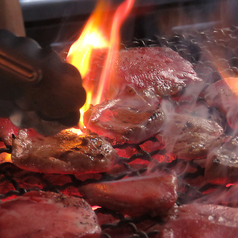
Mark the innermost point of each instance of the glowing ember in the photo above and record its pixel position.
(5, 157)
(229, 185)
(95, 207)
(100, 32)
(74, 130)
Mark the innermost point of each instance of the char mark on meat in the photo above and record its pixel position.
(220, 95)
(66, 152)
(126, 118)
(222, 162)
(189, 137)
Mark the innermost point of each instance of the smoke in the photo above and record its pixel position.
(198, 120)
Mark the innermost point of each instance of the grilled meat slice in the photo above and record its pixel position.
(135, 196)
(152, 71)
(40, 214)
(66, 152)
(129, 118)
(126, 118)
(220, 95)
(157, 68)
(222, 162)
(189, 137)
(141, 77)
(198, 220)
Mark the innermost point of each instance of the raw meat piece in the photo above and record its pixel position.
(222, 162)
(221, 96)
(189, 137)
(198, 220)
(126, 118)
(135, 196)
(66, 152)
(37, 215)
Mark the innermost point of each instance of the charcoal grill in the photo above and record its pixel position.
(196, 47)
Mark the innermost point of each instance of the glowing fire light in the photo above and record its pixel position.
(229, 185)
(5, 157)
(91, 38)
(232, 82)
(95, 207)
(100, 32)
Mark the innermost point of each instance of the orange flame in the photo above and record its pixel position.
(96, 35)
(232, 82)
(91, 38)
(5, 157)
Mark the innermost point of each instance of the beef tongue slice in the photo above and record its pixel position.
(154, 194)
(222, 162)
(189, 137)
(153, 70)
(126, 118)
(199, 220)
(220, 95)
(46, 214)
(67, 153)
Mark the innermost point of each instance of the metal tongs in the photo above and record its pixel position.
(37, 88)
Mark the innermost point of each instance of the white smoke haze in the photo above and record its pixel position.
(199, 41)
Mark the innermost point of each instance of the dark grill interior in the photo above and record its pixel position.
(135, 159)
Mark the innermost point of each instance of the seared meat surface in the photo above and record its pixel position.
(126, 118)
(222, 162)
(151, 71)
(130, 119)
(198, 220)
(220, 95)
(66, 152)
(37, 215)
(135, 196)
(189, 137)
(156, 71)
